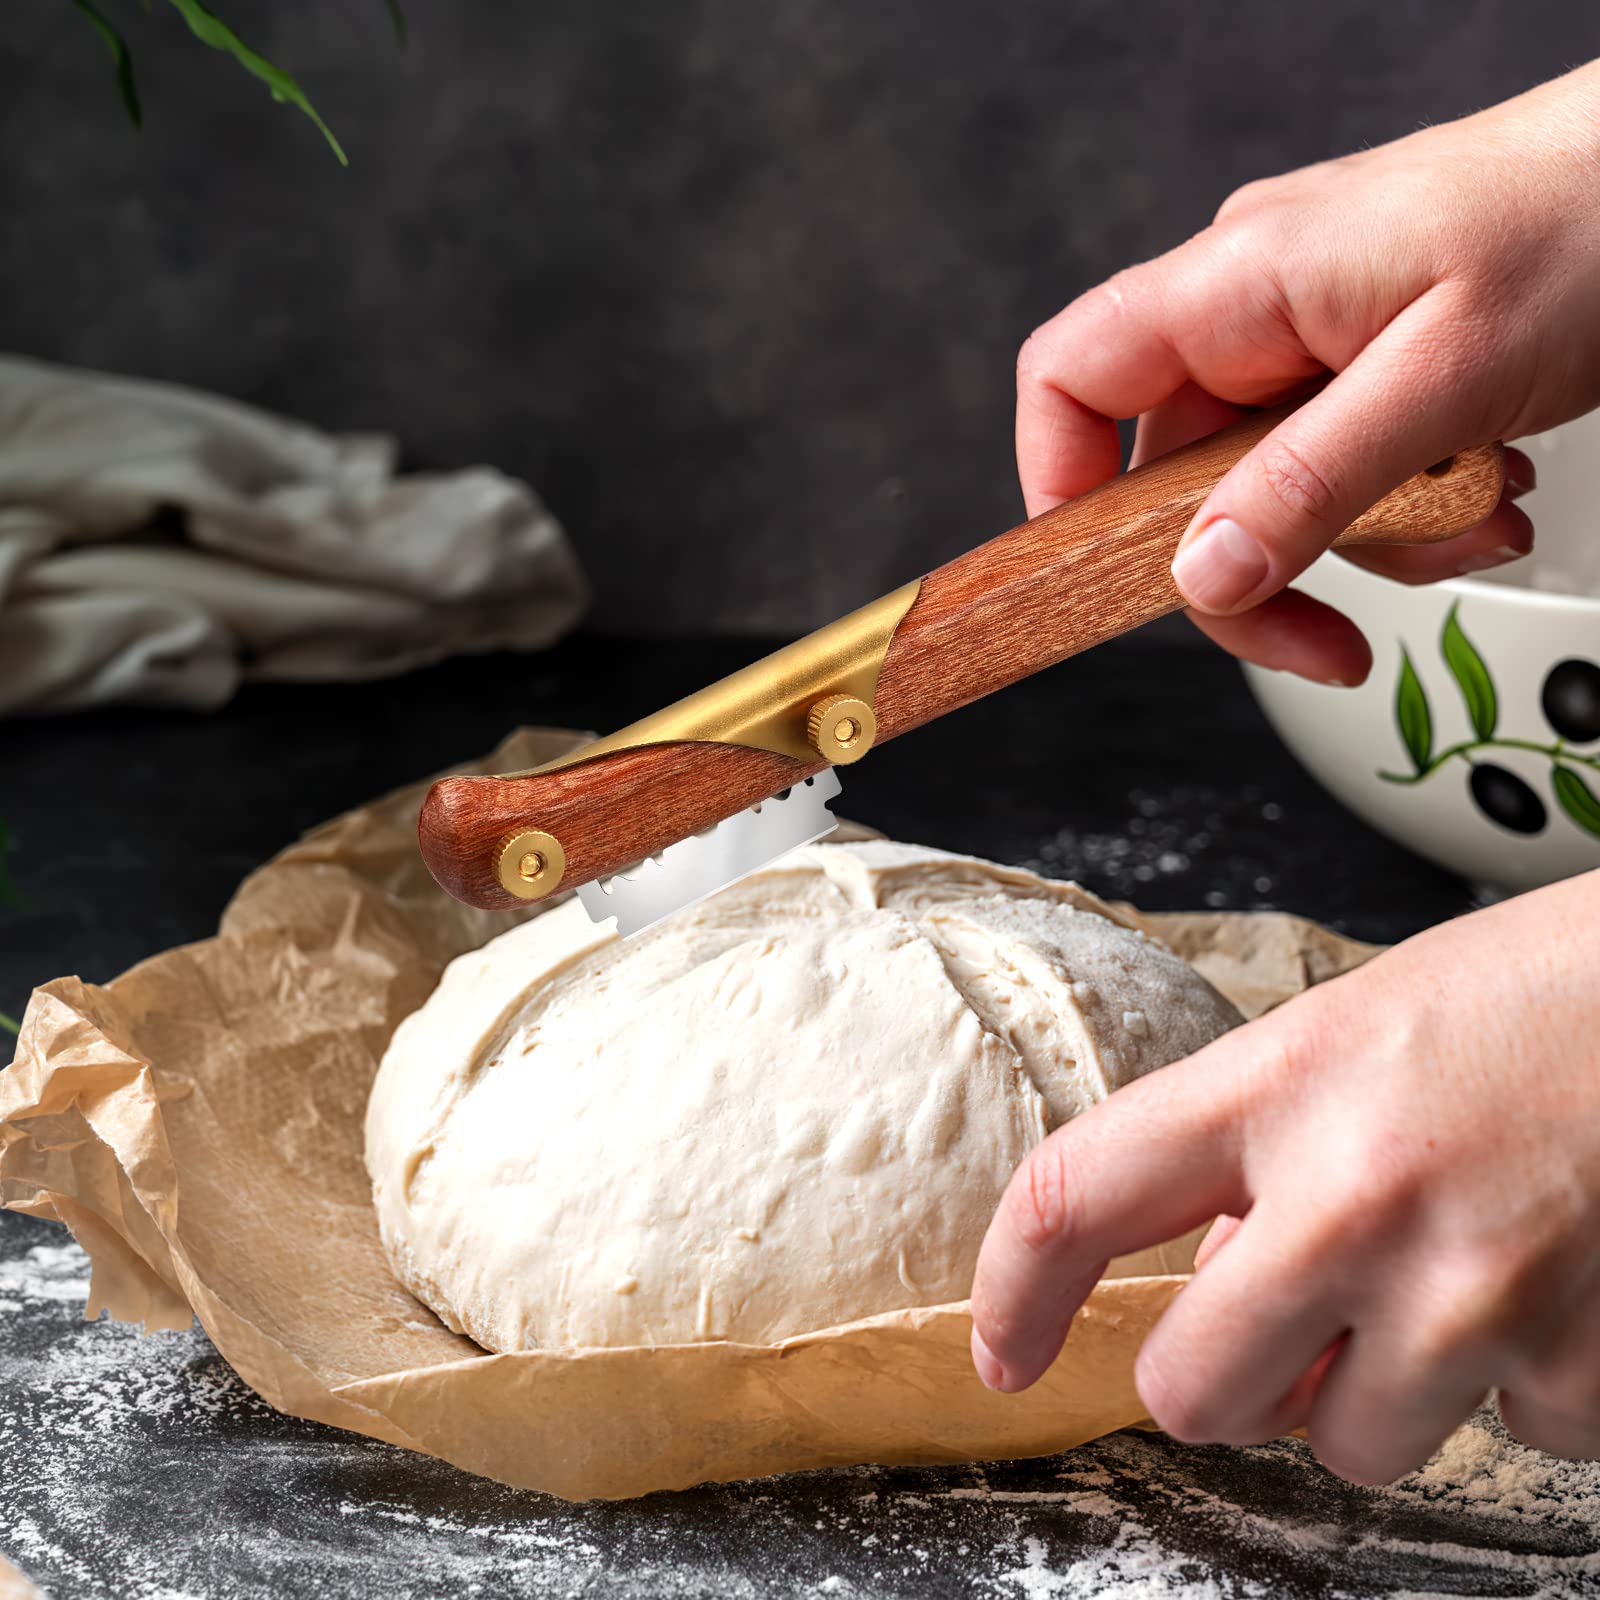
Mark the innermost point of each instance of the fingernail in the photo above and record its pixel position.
(1522, 477)
(1486, 559)
(989, 1370)
(1221, 567)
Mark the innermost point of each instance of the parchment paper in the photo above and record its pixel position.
(197, 1124)
(15, 1585)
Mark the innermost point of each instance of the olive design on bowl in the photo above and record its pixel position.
(1504, 798)
(1570, 701)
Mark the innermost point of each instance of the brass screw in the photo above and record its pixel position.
(530, 864)
(841, 728)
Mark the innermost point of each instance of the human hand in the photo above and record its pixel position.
(1414, 1150)
(1447, 281)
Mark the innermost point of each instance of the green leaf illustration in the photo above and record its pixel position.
(1411, 713)
(1576, 799)
(1471, 675)
(212, 30)
(118, 46)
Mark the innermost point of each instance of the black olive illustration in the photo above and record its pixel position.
(1571, 700)
(1504, 798)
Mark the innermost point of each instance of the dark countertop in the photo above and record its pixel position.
(143, 1467)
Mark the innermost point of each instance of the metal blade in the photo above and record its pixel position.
(697, 867)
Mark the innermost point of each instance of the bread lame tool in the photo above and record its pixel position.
(671, 809)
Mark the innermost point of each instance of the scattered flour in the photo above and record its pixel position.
(1150, 846)
(1486, 1507)
(1131, 1569)
(1481, 1468)
(46, 1272)
(143, 1468)
(1189, 841)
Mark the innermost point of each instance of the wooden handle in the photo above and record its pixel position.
(607, 813)
(1101, 564)
(1092, 568)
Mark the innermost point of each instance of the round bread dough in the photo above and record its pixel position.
(788, 1107)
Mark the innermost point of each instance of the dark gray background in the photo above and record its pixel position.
(739, 286)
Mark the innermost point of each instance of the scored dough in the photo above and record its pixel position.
(788, 1107)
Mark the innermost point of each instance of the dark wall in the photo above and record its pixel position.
(738, 285)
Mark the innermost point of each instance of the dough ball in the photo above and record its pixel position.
(788, 1107)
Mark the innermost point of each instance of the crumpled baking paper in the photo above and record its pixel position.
(197, 1124)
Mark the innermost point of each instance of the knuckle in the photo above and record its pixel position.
(1046, 352)
(1298, 1041)
(1032, 359)
(1293, 481)
(1386, 1177)
(1366, 1217)
(1299, 1045)
(1280, 1067)
(1247, 199)
(1249, 243)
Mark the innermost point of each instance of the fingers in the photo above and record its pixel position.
(1153, 1161)
(1220, 1232)
(1102, 357)
(1064, 449)
(1556, 1408)
(1382, 1409)
(1405, 401)
(1556, 1430)
(1291, 632)
(1197, 314)
(1187, 414)
(1254, 1348)
(1230, 1359)
(1295, 1411)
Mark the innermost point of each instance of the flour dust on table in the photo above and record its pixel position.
(143, 1469)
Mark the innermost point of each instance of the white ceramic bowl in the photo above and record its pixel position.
(1496, 809)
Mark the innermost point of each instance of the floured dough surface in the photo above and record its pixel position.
(791, 1106)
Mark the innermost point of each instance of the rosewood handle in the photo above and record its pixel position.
(1071, 578)
(1100, 565)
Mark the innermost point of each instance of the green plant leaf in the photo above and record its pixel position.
(211, 30)
(1471, 675)
(118, 46)
(397, 19)
(8, 1024)
(1576, 799)
(1411, 714)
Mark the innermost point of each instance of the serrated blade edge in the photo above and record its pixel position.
(695, 868)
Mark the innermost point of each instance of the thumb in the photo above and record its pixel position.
(1407, 400)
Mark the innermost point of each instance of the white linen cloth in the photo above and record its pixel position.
(158, 545)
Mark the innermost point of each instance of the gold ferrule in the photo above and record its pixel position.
(768, 705)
